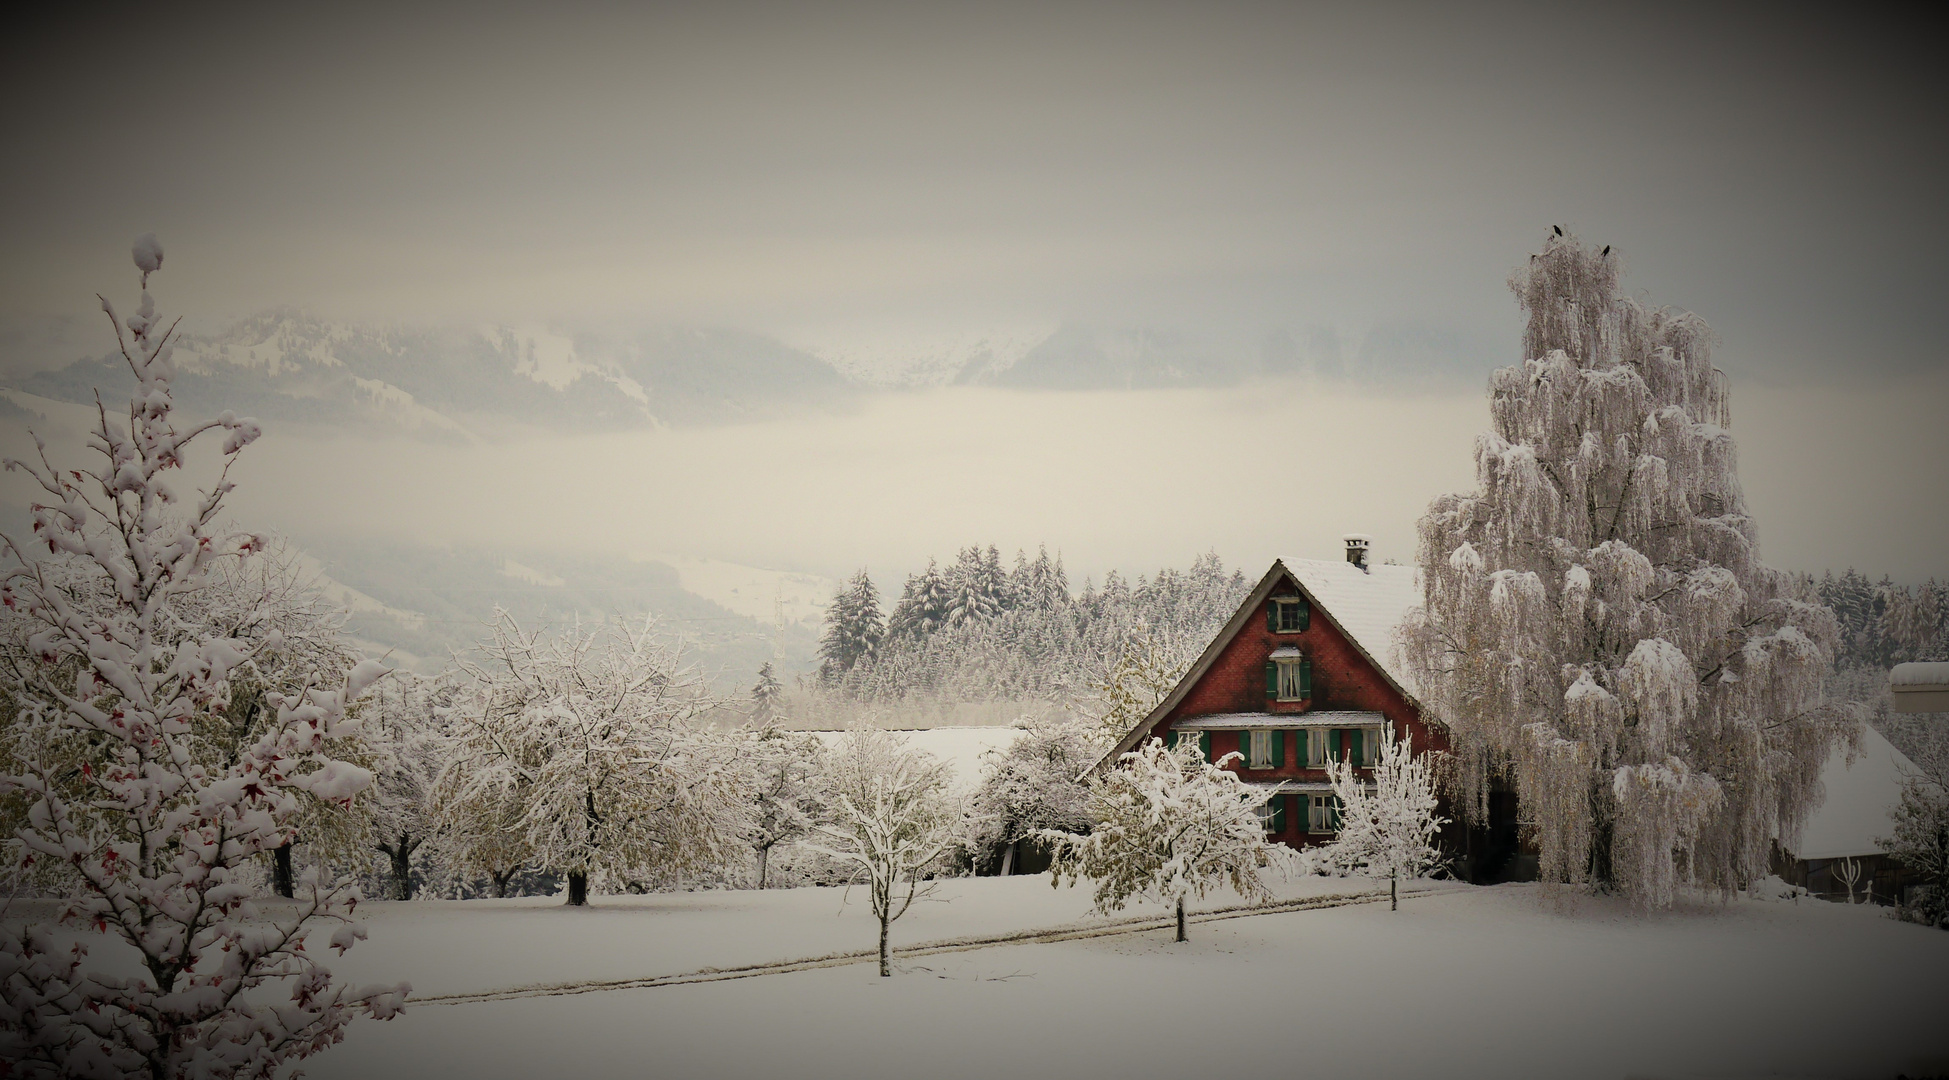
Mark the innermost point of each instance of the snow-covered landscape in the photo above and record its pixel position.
(1461, 982)
(910, 542)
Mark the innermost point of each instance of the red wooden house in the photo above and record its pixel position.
(1302, 672)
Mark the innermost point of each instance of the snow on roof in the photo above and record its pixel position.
(1860, 798)
(961, 747)
(1923, 674)
(1368, 604)
(1245, 720)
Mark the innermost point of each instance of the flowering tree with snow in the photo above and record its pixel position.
(112, 714)
(1170, 826)
(1598, 627)
(1387, 829)
(590, 747)
(890, 819)
(1132, 684)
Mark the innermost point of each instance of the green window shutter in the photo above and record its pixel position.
(1306, 678)
(1278, 749)
(1271, 679)
(1305, 613)
(1279, 813)
(1204, 743)
(1272, 616)
(1333, 744)
(1244, 749)
(1170, 739)
(1299, 748)
(1353, 746)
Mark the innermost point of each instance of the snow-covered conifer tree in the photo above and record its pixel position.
(975, 587)
(110, 716)
(854, 628)
(787, 784)
(1387, 820)
(1170, 826)
(922, 608)
(1598, 625)
(765, 695)
(890, 818)
(593, 742)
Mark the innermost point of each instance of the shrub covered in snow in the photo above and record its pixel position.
(1598, 626)
(113, 711)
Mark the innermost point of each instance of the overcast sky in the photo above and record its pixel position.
(833, 173)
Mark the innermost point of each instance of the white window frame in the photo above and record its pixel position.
(1316, 748)
(1318, 807)
(1289, 679)
(1281, 605)
(1259, 753)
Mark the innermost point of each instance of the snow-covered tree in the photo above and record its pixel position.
(1598, 626)
(1387, 819)
(891, 818)
(854, 628)
(765, 695)
(404, 719)
(787, 787)
(111, 716)
(593, 743)
(1169, 826)
(1920, 842)
(922, 607)
(1142, 674)
(976, 586)
(1034, 786)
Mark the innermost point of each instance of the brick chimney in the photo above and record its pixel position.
(1357, 545)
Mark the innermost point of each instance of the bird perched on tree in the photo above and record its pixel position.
(1607, 249)
(1557, 229)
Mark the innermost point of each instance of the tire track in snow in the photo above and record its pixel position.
(1130, 925)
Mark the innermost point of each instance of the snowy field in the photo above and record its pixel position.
(1461, 982)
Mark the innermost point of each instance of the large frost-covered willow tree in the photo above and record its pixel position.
(1598, 627)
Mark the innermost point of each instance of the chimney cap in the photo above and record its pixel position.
(1357, 545)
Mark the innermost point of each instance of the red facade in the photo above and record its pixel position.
(1343, 680)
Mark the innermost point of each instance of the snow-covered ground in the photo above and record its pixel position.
(1463, 982)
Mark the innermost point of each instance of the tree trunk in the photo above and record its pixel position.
(578, 888)
(282, 880)
(886, 958)
(764, 860)
(1008, 859)
(402, 859)
(1393, 891)
(501, 881)
(1181, 936)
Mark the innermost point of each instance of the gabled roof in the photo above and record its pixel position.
(1861, 796)
(1366, 606)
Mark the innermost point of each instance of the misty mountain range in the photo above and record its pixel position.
(457, 382)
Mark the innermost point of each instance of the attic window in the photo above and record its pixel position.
(1287, 614)
(1288, 675)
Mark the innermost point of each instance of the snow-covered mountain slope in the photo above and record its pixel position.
(883, 356)
(457, 382)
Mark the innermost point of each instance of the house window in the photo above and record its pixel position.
(1287, 614)
(1272, 814)
(1262, 749)
(1356, 746)
(1315, 747)
(1322, 813)
(1288, 676)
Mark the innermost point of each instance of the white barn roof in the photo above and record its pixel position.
(1860, 798)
